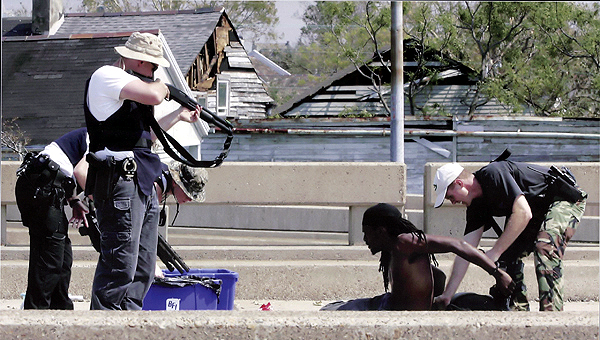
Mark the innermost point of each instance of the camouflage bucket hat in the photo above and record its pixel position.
(191, 180)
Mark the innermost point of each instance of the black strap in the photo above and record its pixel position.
(495, 226)
(504, 156)
(169, 143)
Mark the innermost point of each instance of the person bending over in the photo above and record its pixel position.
(542, 212)
(46, 183)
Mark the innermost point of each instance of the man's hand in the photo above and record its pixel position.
(190, 116)
(504, 282)
(79, 211)
(440, 302)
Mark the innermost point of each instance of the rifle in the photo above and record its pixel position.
(169, 142)
(92, 229)
(206, 115)
(169, 256)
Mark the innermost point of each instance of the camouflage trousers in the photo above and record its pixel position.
(558, 228)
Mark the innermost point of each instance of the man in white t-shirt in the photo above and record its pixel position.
(118, 111)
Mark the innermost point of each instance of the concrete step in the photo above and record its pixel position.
(575, 251)
(17, 235)
(17, 324)
(309, 273)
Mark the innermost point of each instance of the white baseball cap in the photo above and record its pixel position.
(444, 176)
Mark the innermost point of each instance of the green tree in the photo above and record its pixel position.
(427, 36)
(352, 29)
(350, 33)
(255, 20)
(536, 55)
(571, 35)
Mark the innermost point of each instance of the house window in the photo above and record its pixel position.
(222, 97)
(200, 98)
(194, 150)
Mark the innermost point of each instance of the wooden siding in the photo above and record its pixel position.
(445, 100)
(248, 97)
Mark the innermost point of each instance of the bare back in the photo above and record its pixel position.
(411, 279)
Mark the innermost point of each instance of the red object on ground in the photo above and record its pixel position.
(266, 306)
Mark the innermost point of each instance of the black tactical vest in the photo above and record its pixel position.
(126, 130)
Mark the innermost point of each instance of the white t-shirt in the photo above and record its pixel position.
(60, 157)
(103, 99)
(105, 89)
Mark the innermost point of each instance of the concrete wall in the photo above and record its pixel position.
(283, 195)
(450, 219)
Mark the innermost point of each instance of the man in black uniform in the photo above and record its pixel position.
(44, 186)
(541, 217)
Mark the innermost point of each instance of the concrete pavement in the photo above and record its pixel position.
(297, 281)
(296, 325)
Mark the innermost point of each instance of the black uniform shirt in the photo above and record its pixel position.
(501, 183)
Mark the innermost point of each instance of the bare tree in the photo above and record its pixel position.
(13, 138)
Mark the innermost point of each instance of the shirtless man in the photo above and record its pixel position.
(406, 262)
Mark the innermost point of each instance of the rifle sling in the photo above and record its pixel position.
(169, 143)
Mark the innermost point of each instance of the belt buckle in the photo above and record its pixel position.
(129, 168)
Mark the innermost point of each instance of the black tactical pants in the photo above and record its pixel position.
(41, 204)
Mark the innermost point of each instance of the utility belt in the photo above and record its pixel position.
(43, 172)
(104, 173)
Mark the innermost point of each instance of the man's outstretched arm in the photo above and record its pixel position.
(466, 251)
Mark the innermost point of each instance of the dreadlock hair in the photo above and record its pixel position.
(388, 216)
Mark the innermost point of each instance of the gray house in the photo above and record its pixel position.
(206, 47)
(434, 85)
(43, 81)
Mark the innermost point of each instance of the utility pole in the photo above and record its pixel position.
(397, 55)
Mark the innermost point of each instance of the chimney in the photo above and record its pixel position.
(47, 16)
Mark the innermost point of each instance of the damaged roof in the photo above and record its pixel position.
(186, 31)
(43, 80)
(348, 87)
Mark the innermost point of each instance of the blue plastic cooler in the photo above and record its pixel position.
(229, 279)
(195, 296)
(191, 296)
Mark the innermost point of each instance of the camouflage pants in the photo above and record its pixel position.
(559, 226)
